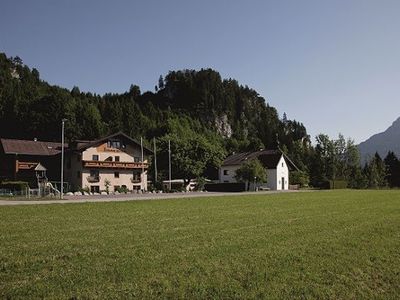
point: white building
(276, 163)
(112, 162)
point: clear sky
(333, 65)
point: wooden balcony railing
(135, 180)
(25, 165)
(93, 178)
(114, 164)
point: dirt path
(130, 197)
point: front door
(283, 183)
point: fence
(225, 187)
(14, 193)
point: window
(116, 174)
(78, 174)
(94, 173)
(136, 159)
(117, 158)
(95, 189)
(136, 177)
(115, 144)
(95, 157)
(226, 172)
(282, 165)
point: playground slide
(52, 188)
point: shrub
(14, 185)
(122, 189)
(299, 177)
(337, 184)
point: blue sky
(333, 65)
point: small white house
(276, 163)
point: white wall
(274, 176)
(125, 155)
(282, 171)
(230, 177)
(123, 179)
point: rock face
(223, 126)
(383, 142)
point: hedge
(14, 185)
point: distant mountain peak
(383, 142)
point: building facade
(107, 164)
(275, 162)
(25, 160)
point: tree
(251, 171)
(334, 160)
(299, 177)
(375, 172)
(161, 82)
(192, 153)
(392, 164)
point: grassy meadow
(328, 244)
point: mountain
(222, 111)
(383, 142)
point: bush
(299, 177)
(85, 190)
(122, 189)
(225, 187)
(14, 185)
(337, 184)
(200, 183)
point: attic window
(282, 165)
(115, 144)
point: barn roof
(27, 147)
(269, 158)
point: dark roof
(269, 158)
(83, 145)
(25, 147)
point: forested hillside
(205, 117)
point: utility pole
(169, 163)
(142, 177)
(155, 161)
(62, 158)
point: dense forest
(204, 116)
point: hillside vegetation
(204, 116)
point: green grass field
(332, 244)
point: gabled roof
(40, 167)
(25, 147)
(83, 145)
(269, 158)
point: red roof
(25, 147)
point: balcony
(93, 178)
(136, 180)
(22, 165)
(114, 165)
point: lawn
(330, 244)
